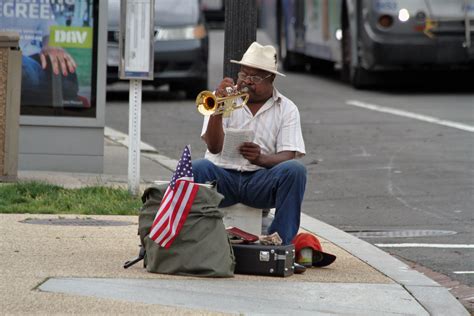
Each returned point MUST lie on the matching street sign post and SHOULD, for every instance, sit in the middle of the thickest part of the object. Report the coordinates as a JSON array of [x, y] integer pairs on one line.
[[136, 64]]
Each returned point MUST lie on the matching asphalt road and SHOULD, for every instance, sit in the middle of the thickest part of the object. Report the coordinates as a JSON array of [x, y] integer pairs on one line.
[[371, 168]]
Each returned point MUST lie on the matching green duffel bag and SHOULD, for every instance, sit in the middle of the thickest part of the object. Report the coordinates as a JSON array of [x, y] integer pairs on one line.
[[202, 247]]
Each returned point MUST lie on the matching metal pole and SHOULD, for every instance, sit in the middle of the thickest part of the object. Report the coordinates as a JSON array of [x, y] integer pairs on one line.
[[467, 25], [240, 31], [134, 128]]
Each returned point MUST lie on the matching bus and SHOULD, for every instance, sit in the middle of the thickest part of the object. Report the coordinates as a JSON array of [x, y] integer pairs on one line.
[[366, 37]]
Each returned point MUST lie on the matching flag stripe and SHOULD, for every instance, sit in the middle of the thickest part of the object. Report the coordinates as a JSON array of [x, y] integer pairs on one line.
[[195, 189], [164, 205], [162, 215], [176, 203], [175, 206], [180, 206], [176, 215], [170, 224], [182, 213], [156, 230]]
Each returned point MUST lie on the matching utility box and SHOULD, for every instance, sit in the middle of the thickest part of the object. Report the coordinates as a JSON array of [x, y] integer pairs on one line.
[[10, 91]]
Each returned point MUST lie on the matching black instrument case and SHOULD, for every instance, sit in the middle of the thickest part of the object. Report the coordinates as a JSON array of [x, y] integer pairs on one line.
[[264, 260]]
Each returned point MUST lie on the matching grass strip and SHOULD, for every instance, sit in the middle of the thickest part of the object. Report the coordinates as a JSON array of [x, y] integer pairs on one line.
[[41, 198]]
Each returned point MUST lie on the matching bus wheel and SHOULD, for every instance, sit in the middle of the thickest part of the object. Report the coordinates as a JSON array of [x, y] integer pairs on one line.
[[361, 78], [346, 48], [346, 57], [293, 62], [358, 77]]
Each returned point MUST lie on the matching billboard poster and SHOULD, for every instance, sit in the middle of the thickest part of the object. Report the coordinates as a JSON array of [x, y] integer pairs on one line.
[[58, 39]]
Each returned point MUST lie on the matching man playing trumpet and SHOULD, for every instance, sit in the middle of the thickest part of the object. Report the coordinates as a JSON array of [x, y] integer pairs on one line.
[[269, 176]]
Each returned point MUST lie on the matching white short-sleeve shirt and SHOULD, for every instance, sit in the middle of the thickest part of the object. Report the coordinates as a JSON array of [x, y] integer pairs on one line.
[[276, 127]]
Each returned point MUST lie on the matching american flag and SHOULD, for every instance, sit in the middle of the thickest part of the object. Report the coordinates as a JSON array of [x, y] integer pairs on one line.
[[176, 202]]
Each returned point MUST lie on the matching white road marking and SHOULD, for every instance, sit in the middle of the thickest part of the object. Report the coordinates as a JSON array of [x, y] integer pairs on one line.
[[415, 245], [364, 153], [353, 170], [463, 272], [416, 116]]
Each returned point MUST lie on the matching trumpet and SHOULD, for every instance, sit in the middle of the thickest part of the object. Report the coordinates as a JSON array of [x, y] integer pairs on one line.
[[208, 104]]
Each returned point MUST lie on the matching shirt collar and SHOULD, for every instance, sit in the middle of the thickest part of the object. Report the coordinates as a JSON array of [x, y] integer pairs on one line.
[[273, 101], [276, 95]]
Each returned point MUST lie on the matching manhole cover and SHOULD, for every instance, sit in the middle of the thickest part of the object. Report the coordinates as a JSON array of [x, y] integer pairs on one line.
[[400, 233], [75, 222]]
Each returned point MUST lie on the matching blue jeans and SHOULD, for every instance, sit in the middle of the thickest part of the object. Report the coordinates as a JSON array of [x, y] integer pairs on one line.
[[32, 73], [281, 187]]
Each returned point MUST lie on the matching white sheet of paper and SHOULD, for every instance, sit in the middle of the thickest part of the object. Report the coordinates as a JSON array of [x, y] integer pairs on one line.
[[232, 140]]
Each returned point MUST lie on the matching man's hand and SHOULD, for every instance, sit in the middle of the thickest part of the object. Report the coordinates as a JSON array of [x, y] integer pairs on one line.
[[251, 152], [59, 58], [225, 83]]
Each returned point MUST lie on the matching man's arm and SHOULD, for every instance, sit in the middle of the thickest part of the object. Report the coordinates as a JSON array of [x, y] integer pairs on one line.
[[252, 153], [214, 136]]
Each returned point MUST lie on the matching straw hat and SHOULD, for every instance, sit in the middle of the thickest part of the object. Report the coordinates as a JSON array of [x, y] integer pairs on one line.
[[260, 57]]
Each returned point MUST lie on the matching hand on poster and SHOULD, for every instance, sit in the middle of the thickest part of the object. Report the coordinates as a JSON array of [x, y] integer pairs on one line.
[[58, 58]]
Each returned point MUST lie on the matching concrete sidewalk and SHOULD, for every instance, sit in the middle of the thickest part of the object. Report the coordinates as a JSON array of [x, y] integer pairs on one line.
[[73, 264]]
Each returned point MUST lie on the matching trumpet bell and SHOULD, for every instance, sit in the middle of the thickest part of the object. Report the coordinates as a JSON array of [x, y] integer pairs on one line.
[[206, 103]]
